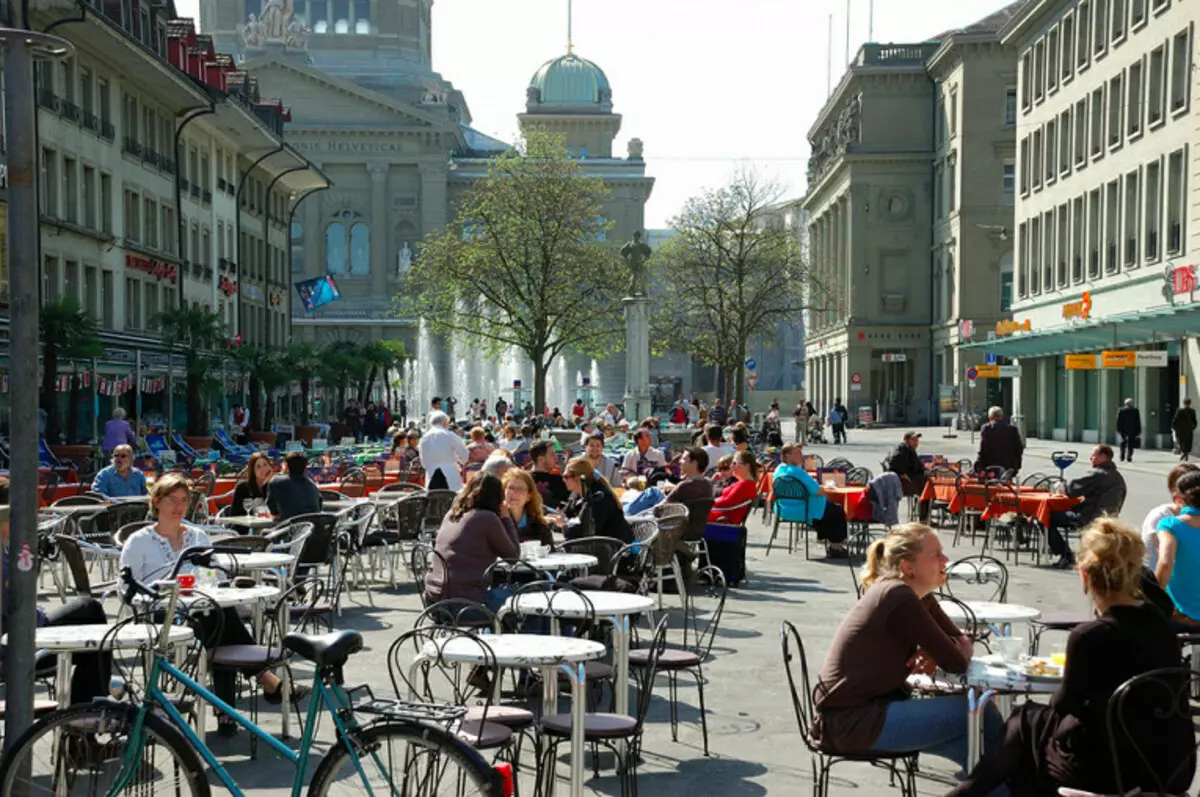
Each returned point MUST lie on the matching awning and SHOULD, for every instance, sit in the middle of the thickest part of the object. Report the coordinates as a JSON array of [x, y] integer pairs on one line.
[[1134, 329]]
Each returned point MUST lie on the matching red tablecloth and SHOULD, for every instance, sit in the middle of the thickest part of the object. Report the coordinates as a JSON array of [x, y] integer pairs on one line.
[[969, 496], [851, 500], [1035, 504]]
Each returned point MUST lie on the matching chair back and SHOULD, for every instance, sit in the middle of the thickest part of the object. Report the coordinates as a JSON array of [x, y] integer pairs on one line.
[[250, 542], [698, 512], [560, 595], [456, 613], [1051, 484], [318, 547], [787, 488], [409, 514], [670, 532], [426, 560], [1148, 718], [511, 571], [205, 483], [68, 548], [50, 487], [962, 616], [645, 675], [79, 500], [803, 704], [983, 577], [435, 679], [332, 495], [401, 487], [354, 483], [603, 548], [1032, 479], [704, 606], [125, 532], [839, 463], [439, 503], [858, 476]]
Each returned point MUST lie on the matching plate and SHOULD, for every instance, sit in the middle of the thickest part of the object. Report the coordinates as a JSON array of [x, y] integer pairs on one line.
[[1046, 670]]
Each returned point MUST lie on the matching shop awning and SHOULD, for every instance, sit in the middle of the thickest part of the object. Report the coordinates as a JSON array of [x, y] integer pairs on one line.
[[1148, 326]]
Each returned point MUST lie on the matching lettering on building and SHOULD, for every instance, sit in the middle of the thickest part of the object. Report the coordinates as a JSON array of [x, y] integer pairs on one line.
[[349, 147], [1010, 327], [159, 269], [1081, 309], [1178, 281]]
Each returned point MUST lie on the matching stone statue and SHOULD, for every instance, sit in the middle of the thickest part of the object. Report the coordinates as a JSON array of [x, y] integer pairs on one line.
[[404, 260], [636, 149], [297, 34], [272, 20], [251, 31], [635, 253]]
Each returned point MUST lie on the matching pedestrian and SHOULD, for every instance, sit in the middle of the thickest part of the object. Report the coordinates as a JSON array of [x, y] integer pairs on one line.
[[837, 419], [801, 416], [402, 411], [1000, 444], [1184, 426], [1129, 429]]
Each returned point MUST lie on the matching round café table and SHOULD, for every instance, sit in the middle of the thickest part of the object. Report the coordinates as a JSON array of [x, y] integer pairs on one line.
[[989, 678], [1002, 615], [558, 562], [254, 562], [548, 654]]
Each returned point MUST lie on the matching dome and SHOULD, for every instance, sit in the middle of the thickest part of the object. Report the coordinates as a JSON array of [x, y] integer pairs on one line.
[[570, 81]]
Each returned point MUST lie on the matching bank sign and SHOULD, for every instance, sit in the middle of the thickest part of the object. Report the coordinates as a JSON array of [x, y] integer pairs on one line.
[[1179, 281]]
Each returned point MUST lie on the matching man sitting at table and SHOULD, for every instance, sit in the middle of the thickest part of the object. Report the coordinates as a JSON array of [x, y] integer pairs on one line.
[[693, 462], [1102, 489], [713, 445], [550, 485], [293, 494], [827, 517], [905, 463], [644, 458], [120, 479]]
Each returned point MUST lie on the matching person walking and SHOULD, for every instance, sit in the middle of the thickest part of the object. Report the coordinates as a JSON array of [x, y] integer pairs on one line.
[[837, 419], [1129, 429], [1184, 427], [1000, 444], [402, 410], [800, 414]]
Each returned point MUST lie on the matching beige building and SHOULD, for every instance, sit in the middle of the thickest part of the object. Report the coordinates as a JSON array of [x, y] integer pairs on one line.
[[1103, 249], [909, 199], [395, 138]]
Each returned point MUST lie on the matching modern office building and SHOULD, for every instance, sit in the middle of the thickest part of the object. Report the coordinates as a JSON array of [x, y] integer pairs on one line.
[[1105, 283]]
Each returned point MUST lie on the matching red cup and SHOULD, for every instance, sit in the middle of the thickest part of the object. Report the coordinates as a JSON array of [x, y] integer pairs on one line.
[[186, 583]]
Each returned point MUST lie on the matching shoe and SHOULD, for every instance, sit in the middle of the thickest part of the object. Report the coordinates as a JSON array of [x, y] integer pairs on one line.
[[226, 727], [837, 553], [276, 697], [1065, 562]]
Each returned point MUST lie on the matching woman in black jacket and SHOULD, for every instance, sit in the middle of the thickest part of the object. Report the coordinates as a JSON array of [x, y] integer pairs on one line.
[[590, 492]]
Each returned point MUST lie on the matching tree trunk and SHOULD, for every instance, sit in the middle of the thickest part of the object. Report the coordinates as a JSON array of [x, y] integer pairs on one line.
[[741, 385], [196, 422], [387, 387], [49, 398], [255, 403], [268, 413], [370, 384], [305, 385], [73, 411], [341, 398], [727, 376], [539, 384]]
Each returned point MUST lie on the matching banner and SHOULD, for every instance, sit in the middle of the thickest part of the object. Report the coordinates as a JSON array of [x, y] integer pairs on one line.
[[153, 384], [316, 292]]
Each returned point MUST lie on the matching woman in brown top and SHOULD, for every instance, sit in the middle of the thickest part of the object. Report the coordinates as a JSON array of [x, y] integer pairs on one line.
[[1066, 742], [896, 629], [476, 532]]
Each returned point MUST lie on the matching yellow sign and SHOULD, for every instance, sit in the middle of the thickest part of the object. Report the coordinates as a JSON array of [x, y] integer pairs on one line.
[[987, 371], [1081, 362], [1118, 359], [1009, 327], [1081, 309]]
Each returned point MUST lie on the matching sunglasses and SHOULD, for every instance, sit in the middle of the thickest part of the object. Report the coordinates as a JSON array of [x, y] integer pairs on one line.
[[120, 456]]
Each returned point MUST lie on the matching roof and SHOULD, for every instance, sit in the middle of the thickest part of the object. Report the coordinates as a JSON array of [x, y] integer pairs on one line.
[[481, 144], [992, 23], [571, 81]]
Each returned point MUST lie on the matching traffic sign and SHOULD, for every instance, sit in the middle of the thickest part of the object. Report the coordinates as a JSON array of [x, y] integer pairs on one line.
[[985, 372], [856, 379], [991, 359], [972, 373], [751, 364], [971, 384], [966, 329], [899, 357]]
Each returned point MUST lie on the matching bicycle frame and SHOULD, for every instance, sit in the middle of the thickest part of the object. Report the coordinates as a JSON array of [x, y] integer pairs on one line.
[[333, 699]]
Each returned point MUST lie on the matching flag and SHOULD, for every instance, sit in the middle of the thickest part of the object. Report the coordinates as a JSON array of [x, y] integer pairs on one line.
[[319, 291]]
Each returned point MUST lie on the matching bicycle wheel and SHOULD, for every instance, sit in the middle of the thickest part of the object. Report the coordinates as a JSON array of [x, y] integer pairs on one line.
[[404, 760], [79, 751]]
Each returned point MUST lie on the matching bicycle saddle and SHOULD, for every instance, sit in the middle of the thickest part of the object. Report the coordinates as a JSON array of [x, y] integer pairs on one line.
[[325, 650]]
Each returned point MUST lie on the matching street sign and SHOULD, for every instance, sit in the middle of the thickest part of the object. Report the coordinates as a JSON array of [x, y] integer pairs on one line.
[[966, 329], [985, 372], [1152, 359], [855, 387], [1009, 371], [991, 359], [1082, 362], [751, 364], [856, 379], [1118, 359], [895, 358], [971, 384], [972, 373]]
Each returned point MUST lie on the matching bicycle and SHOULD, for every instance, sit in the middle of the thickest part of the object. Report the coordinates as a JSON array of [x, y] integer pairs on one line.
[[147, 748]]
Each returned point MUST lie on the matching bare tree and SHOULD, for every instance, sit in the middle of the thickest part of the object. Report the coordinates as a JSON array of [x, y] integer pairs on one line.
[[733, 271]]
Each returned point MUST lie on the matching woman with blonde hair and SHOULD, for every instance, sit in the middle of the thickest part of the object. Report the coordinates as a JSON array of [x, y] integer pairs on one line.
[[591, 493], [1066, 743], [525, 505], [895, 630]]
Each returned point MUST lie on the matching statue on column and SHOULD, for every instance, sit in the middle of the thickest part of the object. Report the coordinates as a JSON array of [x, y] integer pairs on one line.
[[635, 253], [404, 260]]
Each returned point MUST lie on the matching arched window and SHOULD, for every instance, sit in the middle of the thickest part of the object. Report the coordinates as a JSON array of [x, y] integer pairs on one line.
[[335, 248], [297, 249], [360, 249]]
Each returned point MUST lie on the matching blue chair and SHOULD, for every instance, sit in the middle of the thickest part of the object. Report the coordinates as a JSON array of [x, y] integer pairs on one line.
[[188, 451], [791, 504]]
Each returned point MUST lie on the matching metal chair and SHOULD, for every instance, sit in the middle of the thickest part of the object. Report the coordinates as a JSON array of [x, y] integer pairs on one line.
[[439, 503], [982, 571], [786, 488]]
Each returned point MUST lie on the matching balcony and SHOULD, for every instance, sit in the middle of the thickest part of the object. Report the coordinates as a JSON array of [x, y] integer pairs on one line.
[[48, 99], [895, 54], [221, 184], [206, 197], [194, 190], [132, 147], [168, 165], [184, 185], [150, 156], [91, 121], [208, 274], [70, 111], [107, 131]]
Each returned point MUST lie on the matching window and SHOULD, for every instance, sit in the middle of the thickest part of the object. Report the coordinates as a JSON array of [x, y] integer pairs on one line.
[[1152, 213], [1176, 199], [1077, 240], [1115, 98], [1097, 125], [1038, 156], [1035, 255], [1062, 245], [1083, 45], [1112, 217], [109, 299], [68, 79], [150, 214], [1039, 70], [1024, 165], [1118, 21], [133, 217], [1026, 79], [71, 286], [1068, 47], [1136, 87], [150, 129], [335, 248], [1137, 12], [1048, 250], [1052, 60], [91, 291], [106, 204], [87, 97], [50, 288], [197, 255], [133, 301], [1023, 274], [206, 248], [953, 111], [1180, 69], [1155, 91], [1008, 177], [104, 101], [151, 300], [49, 186], [951, 179], [1064, 141], [1080, 123], [70, 187], [169, 232], [1132, 204], [129, 118], [205, 176], [90, 205], [1010, 106], [1100, 27], [1094, 209], [1051, 150]]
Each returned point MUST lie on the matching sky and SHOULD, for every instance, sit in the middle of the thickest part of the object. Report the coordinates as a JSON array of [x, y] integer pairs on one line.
[[706, 84]]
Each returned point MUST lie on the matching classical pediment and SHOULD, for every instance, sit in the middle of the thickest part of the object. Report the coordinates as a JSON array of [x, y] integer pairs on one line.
[[316, 98]]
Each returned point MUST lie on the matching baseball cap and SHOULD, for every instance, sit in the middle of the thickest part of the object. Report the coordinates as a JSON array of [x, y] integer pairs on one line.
[[911, 435]]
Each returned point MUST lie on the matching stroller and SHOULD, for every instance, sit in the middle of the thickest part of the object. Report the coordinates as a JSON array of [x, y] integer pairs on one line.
[[816, 431]]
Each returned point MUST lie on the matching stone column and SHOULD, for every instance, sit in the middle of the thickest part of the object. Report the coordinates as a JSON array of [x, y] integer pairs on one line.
[[314, 244], [1108, 403], [637, 357], [1075, 405], [380, 262], [433, 216], [1047, 395]]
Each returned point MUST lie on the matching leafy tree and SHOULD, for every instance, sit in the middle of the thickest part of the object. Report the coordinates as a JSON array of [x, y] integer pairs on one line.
[[195, 333], [303, 361], [68, 333], [341, 366], [249, 358], [266, 371], [734, 271], [380, 356], [525, 263]]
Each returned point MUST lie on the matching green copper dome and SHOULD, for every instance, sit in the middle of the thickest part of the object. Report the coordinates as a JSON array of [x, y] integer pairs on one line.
[[570, 81]]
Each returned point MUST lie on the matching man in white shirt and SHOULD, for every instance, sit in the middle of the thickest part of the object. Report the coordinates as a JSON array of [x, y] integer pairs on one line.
[[644, 459], [610, 416], [713, 445], [239, 419], [443, 453]]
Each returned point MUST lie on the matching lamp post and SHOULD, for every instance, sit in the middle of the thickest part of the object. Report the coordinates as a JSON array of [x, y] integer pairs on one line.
[[21, 48]]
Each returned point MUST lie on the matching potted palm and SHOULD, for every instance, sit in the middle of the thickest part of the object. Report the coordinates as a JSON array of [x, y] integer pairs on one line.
[[302, 362], [195, 333], [68, 333]]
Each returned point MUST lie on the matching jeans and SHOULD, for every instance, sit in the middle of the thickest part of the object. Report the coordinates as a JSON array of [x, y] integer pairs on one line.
[[839, 433], [938, 726], [1054, 537]]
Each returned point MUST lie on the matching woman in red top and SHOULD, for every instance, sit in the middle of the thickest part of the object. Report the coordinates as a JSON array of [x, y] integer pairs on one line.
[[733, 505]]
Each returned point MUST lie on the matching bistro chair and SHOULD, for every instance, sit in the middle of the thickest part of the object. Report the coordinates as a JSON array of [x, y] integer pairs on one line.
[[987, 573]]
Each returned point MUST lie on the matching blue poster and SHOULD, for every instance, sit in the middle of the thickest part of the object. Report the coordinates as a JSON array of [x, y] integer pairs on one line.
[[317, 292]]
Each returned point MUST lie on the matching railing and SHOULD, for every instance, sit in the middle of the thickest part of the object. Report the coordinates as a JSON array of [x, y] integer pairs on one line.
[[91, 121], [184, 185], [221, 185], [48, 99], [132, 147], [206, 196], [895, 54], [70, 111], [107, 131]]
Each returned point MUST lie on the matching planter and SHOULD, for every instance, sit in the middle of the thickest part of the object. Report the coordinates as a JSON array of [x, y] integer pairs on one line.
[[81, 455], [262, 437], [199, 443], [306, 434]]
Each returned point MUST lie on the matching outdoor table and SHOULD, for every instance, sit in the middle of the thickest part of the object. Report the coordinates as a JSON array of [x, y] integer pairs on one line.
[[254, 561], [67, 639], [75, 510], [988, 678], [341, 505], [848, 498], [246, 521], [554, 562], [970, 571], [613, 607], [1000, 614], [545, 653], [1036, 504]]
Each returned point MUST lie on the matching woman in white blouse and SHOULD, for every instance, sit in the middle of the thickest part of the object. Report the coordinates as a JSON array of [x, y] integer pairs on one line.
[[151, 553]]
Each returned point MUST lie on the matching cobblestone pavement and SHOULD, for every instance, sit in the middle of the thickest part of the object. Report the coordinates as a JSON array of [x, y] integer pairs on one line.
[[754, 741]]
